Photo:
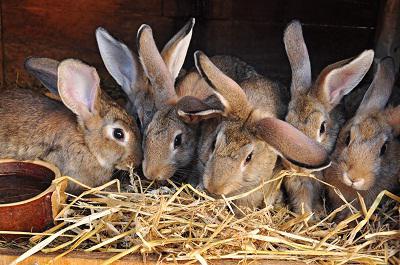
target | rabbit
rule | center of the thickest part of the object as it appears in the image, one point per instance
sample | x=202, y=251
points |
x=314, y=108
x=250, y=137
x=86, y=136
x=147, y=86
x=170, y=135
x=366, y=157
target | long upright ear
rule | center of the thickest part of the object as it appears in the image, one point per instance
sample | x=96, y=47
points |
x=79, y=87
x=393, y=118
x=387, y=43
x=297, y=53
x=381, y=87
x=230, y=94
x=155, y=68
x=193, y=110
x=292, y=144
x=120, y=62
x=174, y=52
x=338, y=79
x=44, y=69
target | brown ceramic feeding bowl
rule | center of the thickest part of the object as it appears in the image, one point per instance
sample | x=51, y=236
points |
x=30, y=196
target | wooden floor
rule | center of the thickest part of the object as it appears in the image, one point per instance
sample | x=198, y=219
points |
x=81, y=258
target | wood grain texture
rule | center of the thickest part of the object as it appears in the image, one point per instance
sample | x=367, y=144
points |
x=249, y=29
x=1, y=49
x=82, y=258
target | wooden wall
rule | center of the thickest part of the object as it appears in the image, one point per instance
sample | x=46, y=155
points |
x=250, y=29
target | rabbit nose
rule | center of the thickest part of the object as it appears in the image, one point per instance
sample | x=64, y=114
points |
x=351, y=181
x=213, y=188
x=347, y=180
x=152, y=173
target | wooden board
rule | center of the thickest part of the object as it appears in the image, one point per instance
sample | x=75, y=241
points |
x=1, y=49
x=82, y=258
x=249, y=29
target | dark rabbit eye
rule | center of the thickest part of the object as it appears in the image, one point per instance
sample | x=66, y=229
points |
x=322, y=129
x=138, y=123
x=347, y=142
x=213, y=144
x=177, y=141
x=118, y=134
x=248, y=158
x=383, y=149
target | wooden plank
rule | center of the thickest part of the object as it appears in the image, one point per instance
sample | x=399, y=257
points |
x=148, y=7
x=82, y=258
x=68, y=33
x=348, y=13
x=1, y=50
x=210, y=9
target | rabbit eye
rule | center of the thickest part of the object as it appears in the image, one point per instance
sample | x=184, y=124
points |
x=322, y=129
x=383, y=149
x=138, y=122
x=213, y=144
x=118, y=134
x=347, y=142
x=249, y=157
x=177, y=141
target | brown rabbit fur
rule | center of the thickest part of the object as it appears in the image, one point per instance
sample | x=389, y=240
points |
x=169, y=139
x=368, y=149
x=76, y=136
x=314, y=108
x=243, y=155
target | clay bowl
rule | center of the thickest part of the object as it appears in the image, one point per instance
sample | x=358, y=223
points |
x=31, y=193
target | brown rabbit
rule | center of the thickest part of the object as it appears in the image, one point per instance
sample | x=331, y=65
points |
x=366, y=157
x=87, y=137
x=147, y=80
x=314, y=107
x=169, y=134
x=250, y=137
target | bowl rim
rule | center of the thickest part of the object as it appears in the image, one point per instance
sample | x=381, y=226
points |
x=51, y=188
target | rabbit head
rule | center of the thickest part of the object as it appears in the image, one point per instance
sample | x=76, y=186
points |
x=368, y=149
x=110, y=133
x=138, y=74
x=312, y=106
x=247, y=141
x=169, y=139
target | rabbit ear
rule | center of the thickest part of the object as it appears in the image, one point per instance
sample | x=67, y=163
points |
x=193, y=110
x=338, y=79
x=230, y=94
x=174, y=52
x=297, y=53
x=393, y=118
x=79, y=89
x=45, y=70
x=292, y=144
x=155, y=68
x=120, y=62
x=381, y=87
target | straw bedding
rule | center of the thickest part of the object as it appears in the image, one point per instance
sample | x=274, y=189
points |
x=180, y=223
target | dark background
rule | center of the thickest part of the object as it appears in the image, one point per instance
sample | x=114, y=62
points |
x=250, y=29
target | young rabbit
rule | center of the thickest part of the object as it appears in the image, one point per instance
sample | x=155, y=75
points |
x=169, y=134
x=314, y=109
x=250, y=136
x=366, y=157
x=86, y=136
